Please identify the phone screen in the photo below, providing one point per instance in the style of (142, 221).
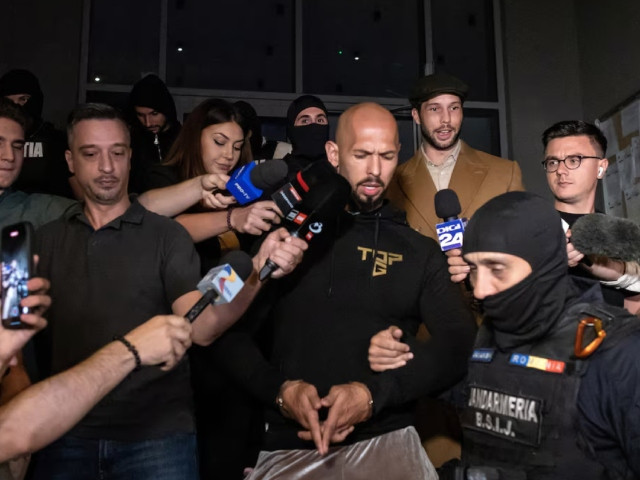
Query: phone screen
(16, 271)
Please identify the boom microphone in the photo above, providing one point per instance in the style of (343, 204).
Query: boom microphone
(448, 208)
(292, 193)
(322, 203)
(222, 283)
(613, 237)
(248, 183)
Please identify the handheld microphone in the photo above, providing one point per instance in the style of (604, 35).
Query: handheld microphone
(222, 283)
(324, 202)
(448, 208)
(248, 183)
(290, 195)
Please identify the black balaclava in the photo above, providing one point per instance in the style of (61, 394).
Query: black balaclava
(151, 92)
(23, 81)
(527, 226)
(308, 140)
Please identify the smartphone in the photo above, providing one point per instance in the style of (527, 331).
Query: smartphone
(17, 268)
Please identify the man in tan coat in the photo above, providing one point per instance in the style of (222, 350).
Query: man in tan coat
(445, 161)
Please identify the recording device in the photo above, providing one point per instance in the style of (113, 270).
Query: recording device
(613, 237)
(321, 204)
(249, 182)
(222, 283)
(451, 229)
(292, 193)
(17, 268)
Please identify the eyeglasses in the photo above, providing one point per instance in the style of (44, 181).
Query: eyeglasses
(571, 162)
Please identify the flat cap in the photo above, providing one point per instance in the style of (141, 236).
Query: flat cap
(437, 84)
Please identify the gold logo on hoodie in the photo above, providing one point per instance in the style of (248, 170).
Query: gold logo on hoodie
(382, 259)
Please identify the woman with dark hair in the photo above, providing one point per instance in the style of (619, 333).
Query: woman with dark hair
(214, 139)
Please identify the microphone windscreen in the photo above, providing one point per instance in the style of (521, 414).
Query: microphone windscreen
(447, 204)
(240, 262)
(613, 237)
(269, 174)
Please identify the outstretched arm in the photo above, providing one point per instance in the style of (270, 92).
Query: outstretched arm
(175, 199)
(46, 410)
(286, 251)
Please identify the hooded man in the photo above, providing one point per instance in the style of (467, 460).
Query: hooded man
(308, 132)
(551, 391)
(156, 127)
(44, 169)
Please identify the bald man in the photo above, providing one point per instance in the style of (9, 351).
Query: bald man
(373, 273)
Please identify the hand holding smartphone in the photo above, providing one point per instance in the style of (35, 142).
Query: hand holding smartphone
(17, 269)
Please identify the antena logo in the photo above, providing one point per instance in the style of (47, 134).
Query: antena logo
(382, 260)
(227, 275)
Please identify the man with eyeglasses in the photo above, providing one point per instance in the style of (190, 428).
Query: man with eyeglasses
(574, 160)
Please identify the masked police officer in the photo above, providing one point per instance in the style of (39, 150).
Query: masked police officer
(553, 385)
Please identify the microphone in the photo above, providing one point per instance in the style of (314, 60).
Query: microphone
(248, 182)
(323, 203)
(451, 229)
(292, 193)
(613, 237)
(222, 283)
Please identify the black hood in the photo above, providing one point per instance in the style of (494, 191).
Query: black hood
(527, 226)
(151, 92)
(23, 81)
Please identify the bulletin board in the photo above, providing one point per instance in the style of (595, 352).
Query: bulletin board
(621, 184)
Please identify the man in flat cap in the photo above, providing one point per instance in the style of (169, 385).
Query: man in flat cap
(445, 161)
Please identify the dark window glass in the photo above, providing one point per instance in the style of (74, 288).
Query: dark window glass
(481, 130)
(360, 47)
(463, 44)
(239, 45)
(124, 40)
(118, 100)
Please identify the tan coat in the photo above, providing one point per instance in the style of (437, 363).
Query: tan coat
(477, 177)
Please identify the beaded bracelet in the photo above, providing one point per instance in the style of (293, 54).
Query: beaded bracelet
(131, 348)
(229, 226)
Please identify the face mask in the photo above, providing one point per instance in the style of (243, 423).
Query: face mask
(526, 311)
(309, 140)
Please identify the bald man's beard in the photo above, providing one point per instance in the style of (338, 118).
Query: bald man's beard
(367, 203)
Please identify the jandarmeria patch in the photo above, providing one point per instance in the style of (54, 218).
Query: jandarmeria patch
(514, 417)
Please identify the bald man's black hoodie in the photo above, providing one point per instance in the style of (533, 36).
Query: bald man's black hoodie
(371, 271)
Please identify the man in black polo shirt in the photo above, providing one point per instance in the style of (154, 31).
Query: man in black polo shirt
(113, 265)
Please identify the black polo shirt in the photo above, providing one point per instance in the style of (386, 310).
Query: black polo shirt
(106, 282)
